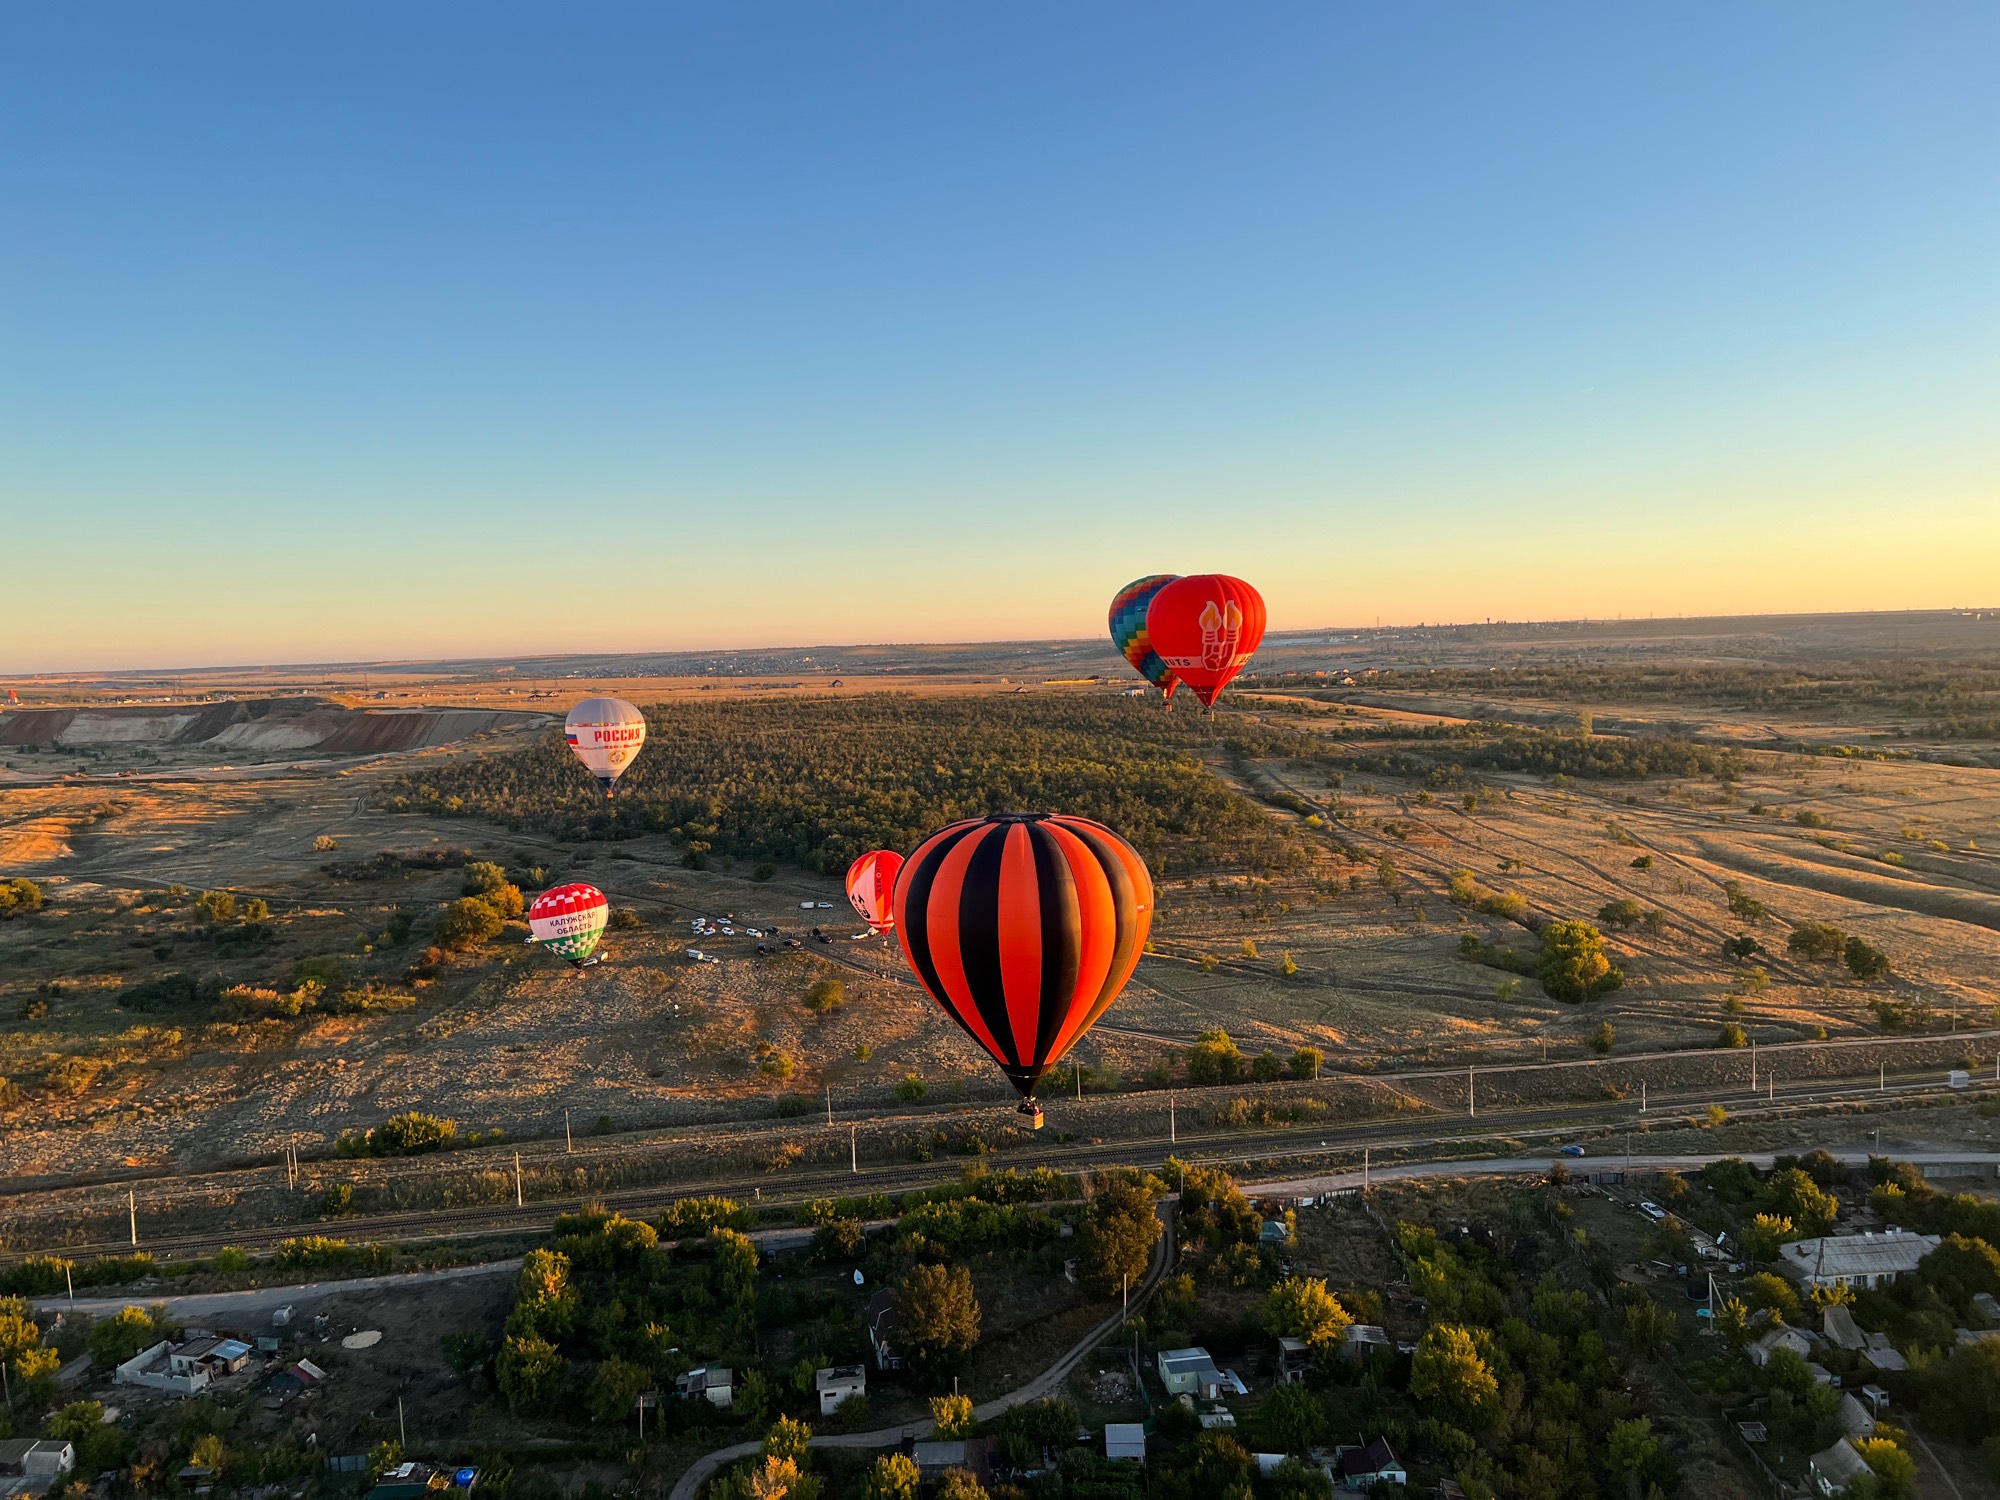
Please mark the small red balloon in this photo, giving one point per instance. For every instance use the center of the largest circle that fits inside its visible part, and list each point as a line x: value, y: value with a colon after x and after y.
x: 871, y: 887
x: 1206, y: 628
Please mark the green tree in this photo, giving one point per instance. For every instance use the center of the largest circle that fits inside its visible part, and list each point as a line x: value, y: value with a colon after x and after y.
x: 825, y: 995
x: 1765, y: 1290
x: 1291, y: 1419
x: 1120, y: 1229
x: 787, y: 1438
x: 911, y: 1089
x: 937, y: 1314
x: 1300, y: 1307
x: 1214, y: 1059
x: 894, y: 1477
x: 1450, y: 1373
x: 1621, y: 913
x: 1820, y: 940
x: 1573, y: 965
x: 467, y: 923
x: 952, y: 1416
x: 1631, y: 1447
x: 1732, y: 1036
x: 1650, y: 1327
x: 735, y: 1269
x: 529, y: 1371
x: 1794, y: 1195
x: 959, y: 1484
x: 1895, y: 1471
x: 216, y: 907
x: 615, y: 1390
x: 1865, y: 960
x: 1603, y: 1039
x: 1732, y: 1321
x: 1306, y: 1062
x: 115, y: 1339
x: 1766, y: 1232
x: 1960, y: 1268
x: 19, y: 896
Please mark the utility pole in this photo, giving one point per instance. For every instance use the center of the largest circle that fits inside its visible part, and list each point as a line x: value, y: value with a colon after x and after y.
x: 1364, y: 1171
x: 1753, y: 1065
x: 519, y: 1201
x: 1771, y: 1086
x: 642, y: 1420
x: 853, y: 1153
x: 829, y: 1106
x: 569, y: 1141
x: 69, y: 1280
x: 1882, y: 1074
x: 402, y: 1432
x: 1471, y: 1098
x: 1642, y: 1096
x: 1128, y: 1296
x: 1173, y: 1128
x: 132, y: 1208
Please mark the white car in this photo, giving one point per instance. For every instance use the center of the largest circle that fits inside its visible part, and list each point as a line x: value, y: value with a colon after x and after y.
x: 824, y: 905
x: 1653, y: 1211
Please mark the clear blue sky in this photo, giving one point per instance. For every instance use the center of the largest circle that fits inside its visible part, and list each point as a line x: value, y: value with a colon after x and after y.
x: 405, y: 329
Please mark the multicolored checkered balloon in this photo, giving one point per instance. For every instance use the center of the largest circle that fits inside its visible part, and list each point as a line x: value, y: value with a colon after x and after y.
x: 568, y: 920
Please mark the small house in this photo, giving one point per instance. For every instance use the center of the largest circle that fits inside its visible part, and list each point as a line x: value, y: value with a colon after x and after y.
x: 880, y: 1320
x: 1838, y: 1324
x: 217, y: 1356
x: 1863, y: 1261
x: 44, y: 1459
x: 1776, y: 1338
x: 1359, y: 1340
x: 1125, y: 1440
x: 1294, y: 1359
x: 938, y: 1456
x: 1834, y: 1470
x: 1190, y: 1372
x: 715, y: 1384
x: 152, y: 1368
x: 837, y: 1383
x: 1362, y: 1467
x: 1855, y: 1419
x: 1882, y: 1354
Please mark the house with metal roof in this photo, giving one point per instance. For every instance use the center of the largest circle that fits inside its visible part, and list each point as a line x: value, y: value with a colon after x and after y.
x: 838, y: 1383
x: 1834, y: 1470
x: 1190, y: 1372
x: 1863, y: 1261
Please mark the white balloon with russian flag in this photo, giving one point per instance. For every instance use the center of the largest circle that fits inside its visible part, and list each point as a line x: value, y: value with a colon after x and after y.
x: 607, y: 735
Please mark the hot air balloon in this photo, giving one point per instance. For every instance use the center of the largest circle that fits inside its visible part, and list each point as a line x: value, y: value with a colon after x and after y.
x: 871, y: 886
x: 606, y: 734
x: 1206, y: 628
x: 1024, y: 927
x: 1128, y: 632
x: 568, y: 920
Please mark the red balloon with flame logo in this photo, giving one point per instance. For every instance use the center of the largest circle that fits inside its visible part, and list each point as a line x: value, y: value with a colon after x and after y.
x: 1206, y: 628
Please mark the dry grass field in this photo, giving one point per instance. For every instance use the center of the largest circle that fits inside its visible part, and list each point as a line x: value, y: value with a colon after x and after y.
x: 1357, y: 948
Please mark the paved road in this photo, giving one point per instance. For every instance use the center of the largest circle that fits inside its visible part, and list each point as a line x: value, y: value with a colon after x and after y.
x: 1047, y: 1383
x: 266, y: 1299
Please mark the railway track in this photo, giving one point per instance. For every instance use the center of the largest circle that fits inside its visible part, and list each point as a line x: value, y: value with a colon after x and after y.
x: 1229, y: 1149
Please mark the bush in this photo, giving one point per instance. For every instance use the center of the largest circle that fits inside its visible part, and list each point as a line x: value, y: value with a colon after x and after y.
x: 1214, y: 1059
x: 1732, y: 1035
x: 777, y: 1063
x: 412, y: 1134
x: 911, y: 1089
x: 937, y: 1315
x: 1573, y: 965
x: 216, y: 907
x: 1622, y: 913
x: 1602, y: 1039
x: 1818, y: 940
x: 1865, y: 960
x: 18, y: 897
x: 1305, y: 1062
x: 467, y: 923
x: 826, y: 995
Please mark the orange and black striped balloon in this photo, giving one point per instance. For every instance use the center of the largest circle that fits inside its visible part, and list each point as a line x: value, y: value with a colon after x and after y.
x: 1024, y: 927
